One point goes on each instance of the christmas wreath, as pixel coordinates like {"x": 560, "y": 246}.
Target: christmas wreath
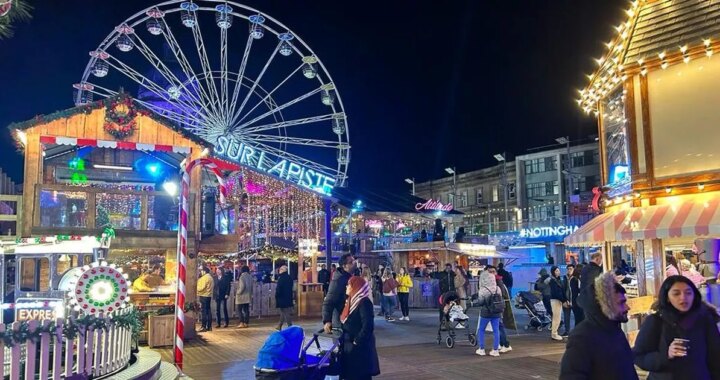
{"x": 120, "y": 117}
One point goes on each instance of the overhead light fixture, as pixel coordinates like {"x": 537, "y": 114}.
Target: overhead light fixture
{"x": 701, "y": 186}
{"x": 171, "y": 188}
{"x": 205, "y": 152}
{"x": 668, "y": 190}
{"x": 499, "y": 157}
{"x": 409, "y": 181}
{"x": 113, "y": 167}
{"x": 450, "y": 170}
{"x": 22, "y": 136}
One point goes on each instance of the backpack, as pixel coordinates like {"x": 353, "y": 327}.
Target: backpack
{"x": 495, "y": 303}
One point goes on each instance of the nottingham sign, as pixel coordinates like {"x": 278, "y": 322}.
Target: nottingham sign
{"x": 547, "y": 232}
{"x": 287, "y": 170}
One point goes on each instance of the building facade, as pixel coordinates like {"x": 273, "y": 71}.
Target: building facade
{"x": 480, "y": 195}
{"x": 555, "y": 186}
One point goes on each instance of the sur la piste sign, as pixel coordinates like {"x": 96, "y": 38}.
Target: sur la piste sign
{"x": 285, "y": 169}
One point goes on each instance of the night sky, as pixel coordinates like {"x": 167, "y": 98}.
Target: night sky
{"x": 425, "y": 84}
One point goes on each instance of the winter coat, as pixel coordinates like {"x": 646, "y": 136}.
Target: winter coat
{"x": 446, "y": 280}
{"x": 460, "y": 282}
{"x": 215, "y": 287}
{"x": 507, "y": 316}
{"x": 597, "y": 348}
{"x": 244, "y": 291}
{"x": 589, "y": 273}
{"x": 359, "y": 356}
{"x": 542, "y": 285}
{"x": 205, "y": 286}
{"x": 389, "y": 286}
{"x": 223, "y": 286}
{"x": 487, "y": 288}
{"x": 284, "y": 291}
{"x": 335, "y": 298}
{"x": 506, "y": 277}
{"x": 557, "y": 290}
{"x": 404, "y": 283}
{"x": 659, "y": 330}
{"x": 323, "y": 276}
{"x": 574, "y": 289}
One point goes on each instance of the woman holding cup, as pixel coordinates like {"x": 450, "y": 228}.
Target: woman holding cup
{"x": 680, "y": 340}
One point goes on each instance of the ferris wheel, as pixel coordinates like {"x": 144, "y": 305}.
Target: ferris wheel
{"x": 223, "y": 70}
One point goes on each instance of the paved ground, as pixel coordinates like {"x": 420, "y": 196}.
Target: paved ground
{"x": 407, "y": 350}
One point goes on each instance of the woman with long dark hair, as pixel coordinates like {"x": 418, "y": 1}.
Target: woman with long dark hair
{"x": 574, "y": 292}
{"x": 558, "y": 299}
{"x": 672, "y": 268}
{"x": 680, "y": 340}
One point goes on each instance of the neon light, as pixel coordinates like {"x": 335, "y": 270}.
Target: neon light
{"x": 257, "y": 159}
{"x": 540, "y": 232}
{"x": 433, "y": 205}
{"x": 375, "y": 224}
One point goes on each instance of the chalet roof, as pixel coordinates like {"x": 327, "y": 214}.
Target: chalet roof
{"x": 88, "y": 108}
{"x": 656, "y": 34}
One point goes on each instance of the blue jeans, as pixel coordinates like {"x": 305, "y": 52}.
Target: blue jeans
{"x": 389, "y": 305}
{"x": 495, "y": 323}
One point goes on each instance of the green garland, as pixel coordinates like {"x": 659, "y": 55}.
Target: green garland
{"x": 72, "y": 328}
{"x": 88, "y": 108}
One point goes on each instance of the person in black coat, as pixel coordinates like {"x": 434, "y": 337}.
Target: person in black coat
{"x": 558, "y": 300}
{"x": 446, "y": 279}
{"x": 507, "y": 278}
{"x": 597, "y": 348}
{"x": 359, "y": 356}
{"x": 284, "y": 297}
{"x": 335, "y": 298}
{"x": 680, "y": 340}
{"x": 589, "y": 273}
{"x": 222, "y": 290}
{"x": 324, "y": 279}
{"x": 574, "y": 291}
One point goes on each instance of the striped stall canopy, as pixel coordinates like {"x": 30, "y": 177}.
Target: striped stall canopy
{"x": 683, "y": 219}
{"x": 113, "y": 144}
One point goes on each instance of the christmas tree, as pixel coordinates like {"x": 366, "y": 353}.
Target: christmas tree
{"x": 102, "y": 219}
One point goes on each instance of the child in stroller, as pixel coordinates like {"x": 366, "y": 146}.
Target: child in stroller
{"x": 452, "y": 317}
{"x": 533, "y": 305}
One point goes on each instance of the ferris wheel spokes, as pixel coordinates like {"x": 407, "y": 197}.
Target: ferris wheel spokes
{"x": 267, "y": 96}
{"x": 239, "y": 80}
{"x": 205, "y": 63}
{"x": 290, "y": 156}
{"x": 281, "y": 107}
{"x": 238, "y": 112}
{"x": 286, "y": 123}
{"x": 298, "y": 141}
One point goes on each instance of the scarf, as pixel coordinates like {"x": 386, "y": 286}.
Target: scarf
{"x": 353, "y": 300}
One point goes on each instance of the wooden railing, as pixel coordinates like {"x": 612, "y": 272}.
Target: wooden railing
{"x": 16, "y": 217}
{"x": 92, "y": 353}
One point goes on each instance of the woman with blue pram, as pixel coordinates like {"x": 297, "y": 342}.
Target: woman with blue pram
{"x": 359, "y": 358}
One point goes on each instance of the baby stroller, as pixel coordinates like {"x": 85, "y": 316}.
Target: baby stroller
{"x": 284, "y": 357}
{"x": 450, "y": 326}
{"x": 536, "y": 310}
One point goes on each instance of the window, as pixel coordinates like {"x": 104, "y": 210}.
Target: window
{"x": 451, "y": 199}
{"x": 495, "y": 193}
{"x": 478, "y": 197}
{"x": 535, "y": 189}
{"x": 555, "y": 187}
{"x": 511, "y": 190}
{"x": 464, "y": 199}
{"x": 540, "y": 165}
{"x": 34, "y": 275}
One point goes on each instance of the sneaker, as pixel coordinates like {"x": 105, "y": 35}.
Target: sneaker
{"x": 565, "y": 334}
{"x": 504, "y": 349}
{"x": 407, "y": 319}
{"x": 480, "y": 351}
{"x": 556, "y": 337}
{"x": 390, "y": 319}
{"x": 494, "y": 353}
{"x": 460, "y": 326}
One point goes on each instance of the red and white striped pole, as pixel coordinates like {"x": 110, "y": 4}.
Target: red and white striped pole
{"x": 182, "y": 249}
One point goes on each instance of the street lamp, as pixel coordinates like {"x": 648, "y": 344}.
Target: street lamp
{"x": 411, "y": 181}
{"x": 454, "y": 174}
{"x": 501, "y": 159}
{"x": 568, "y": 178}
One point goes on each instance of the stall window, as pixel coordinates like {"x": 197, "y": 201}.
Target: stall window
{"x": 615, "y": 136}
{"x": 65, "y": 263}
{"x": 34, "y": 275}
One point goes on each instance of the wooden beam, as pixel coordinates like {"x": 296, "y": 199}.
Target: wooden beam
{"x": 647, "y": 130}
{"x": 631, "y": 129}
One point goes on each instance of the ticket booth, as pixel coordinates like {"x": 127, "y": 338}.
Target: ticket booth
{"x": 310, "y": 293}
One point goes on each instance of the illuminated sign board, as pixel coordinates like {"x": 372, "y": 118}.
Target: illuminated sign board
{"x": 547, "y": 232}
{"x": 433, "y": 205}
{"x": 259, "y": 160}
{"x": 27, "y": 309}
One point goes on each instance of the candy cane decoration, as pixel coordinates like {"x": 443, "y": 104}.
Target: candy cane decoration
{"x": 182, "y": 250}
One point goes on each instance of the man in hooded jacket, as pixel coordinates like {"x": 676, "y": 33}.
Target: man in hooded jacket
{"x": 597, "y": 348}
{"x": 335, "y": 299}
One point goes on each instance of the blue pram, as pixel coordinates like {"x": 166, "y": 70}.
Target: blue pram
{"x": 284, "y": 357}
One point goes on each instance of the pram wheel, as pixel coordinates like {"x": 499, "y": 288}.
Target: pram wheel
{"x": 450, "y": 342}
{"x": 539, "y": 328}
{"x": 472, "y": 339}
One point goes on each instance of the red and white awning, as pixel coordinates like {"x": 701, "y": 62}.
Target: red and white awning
{"x": 126, "y": 145}
{"x": 682, "y": 219}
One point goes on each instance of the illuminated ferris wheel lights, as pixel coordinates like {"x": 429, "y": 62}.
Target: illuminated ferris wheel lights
{"x": 224, "y": 17}
{"x": 285, "y": 49}
{"x": 309, "y": 71}
{"x": 173, "y": 92}
{"x": 338, "y": 124}
{"x": 256, "y": 30}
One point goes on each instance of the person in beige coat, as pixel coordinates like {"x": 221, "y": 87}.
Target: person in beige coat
{"x": 243, "y": 296}
{"x": 460, "y": 281}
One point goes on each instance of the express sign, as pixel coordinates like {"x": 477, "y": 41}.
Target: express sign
{"x": 263, "y": 162}
{"x": 27, "y": 309}
{"x": 547, "y": 232}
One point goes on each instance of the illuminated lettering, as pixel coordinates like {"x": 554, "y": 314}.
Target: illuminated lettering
{"x": 248, "y": 152}
{"x": 221, "y": 146}
{"x": 279, "y": 168}
{"x": 293, "y": 171}
{"x": 540, "y": 232}
{"x": 433, "y": 205}
{"x": 261, "y": 161}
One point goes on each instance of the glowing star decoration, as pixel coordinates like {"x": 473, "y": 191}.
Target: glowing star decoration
{"x": 100, "y": 289}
